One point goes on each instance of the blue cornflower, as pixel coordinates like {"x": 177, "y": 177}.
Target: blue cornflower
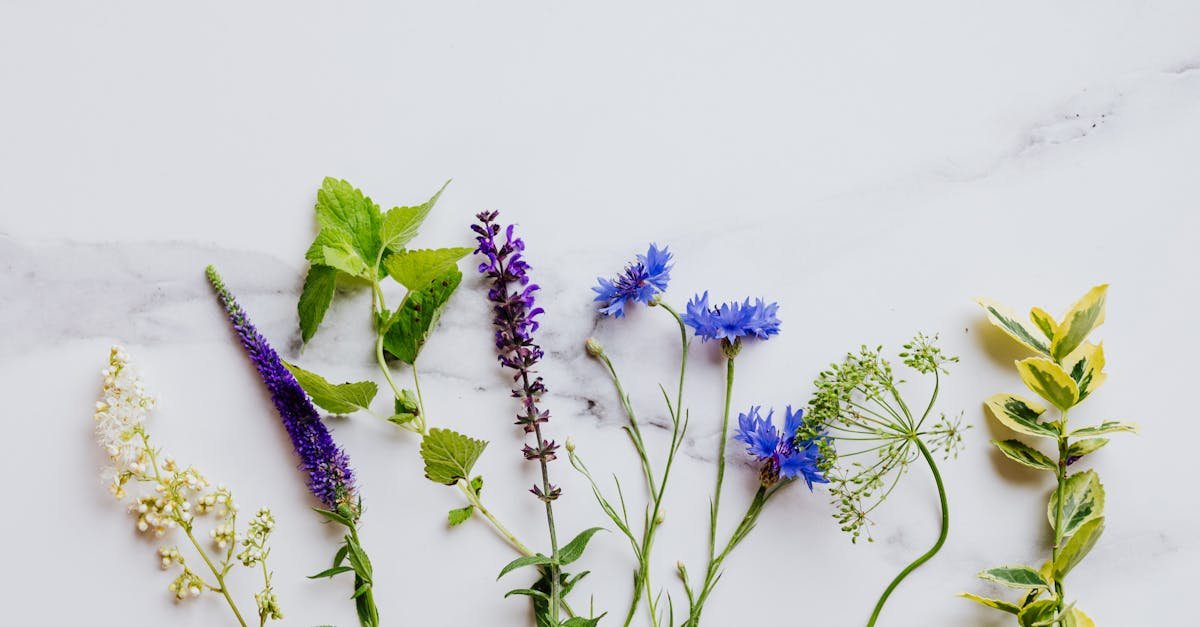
{"x": 782, "y": 455}
{"x": 730, "y": 321}
{"x": 639, "y": 282}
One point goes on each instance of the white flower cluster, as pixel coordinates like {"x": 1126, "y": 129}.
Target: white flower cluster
{"x": 175, "y": 495}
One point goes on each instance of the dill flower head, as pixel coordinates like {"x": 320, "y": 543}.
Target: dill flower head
{"x": 640, "y": 282}
{"x": 783, "y": 454}
{"x": 732, "y": 321}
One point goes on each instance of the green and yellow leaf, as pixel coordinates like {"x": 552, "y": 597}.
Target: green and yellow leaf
{"x": 1079, "y": 448}
{"x": 1044, "y": 321}
{"x": 1078, "y": 546}
{"x": 1024, "y": 454}
{"x": 1081, "y": 619}
{"x": 1007, "y": 321}
{"x": 996, "y": 604}
{"x": 1021, "y": 415}
{"x": 1018, "y": 576}
{"x": 1087, "y": 365}
{"x": 1108, "y": 426}
{"x": 415, "y": 269}
{"x": 1035, "y": 613}
{"x": 1083, "y": 500}
{"x": 1049, "y": 381}
{"x": 400, "y": 224}
{"x": 1085, "y": 315}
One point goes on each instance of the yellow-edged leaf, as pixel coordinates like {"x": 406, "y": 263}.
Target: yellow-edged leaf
{"x": 1007, "y": 321}
{"x": 1044, "y": 321}
{"x": 1087, "y": 365}
{"x": 1083, "y": 500}
{"x": 1081, "y": 619}
{"x": 1003, "y": 606}
{"x": 1108, "y": 426}
{"x": 1021, "y": 415}
{"x": 1049, "y": 381}
{"x": 1078, "y": 546}
{"x": 1024, "y": 454}
{"x": 1086, "y": 314}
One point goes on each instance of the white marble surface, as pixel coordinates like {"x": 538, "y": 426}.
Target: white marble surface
{"x": 872, "y": 166}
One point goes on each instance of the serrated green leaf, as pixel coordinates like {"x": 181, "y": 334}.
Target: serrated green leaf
{"x": 1022, "y": 453}
{"x": 1105, "y": 427}
{"x": 574, "y": 549}
{"x": 1078, "y": 546}
{"x": 1021, "y": 415}
{"x": 460, "y": 515}
{"x": 1017, "y": 576}
{"x": 417, "y": 316}
{"x": 1085, "y": 315}
{"x": 315, "y": 298}
{"x": 1034, "y": 613}
{"x": 328, "y": 238}
{"x": 345, "y": 260}
{"x": 1049, "y": 381}
{"x": 1083, "y": 500}
{"x": 580, "y": 621}
{"x": 400, "y": 224}
{"x": 477, "y": 485}
{"x": 416, "y": 269}
{"x": 1007, "y": 321}
{"x": 523, "y": 561}
{"x": 337, "y": 398}
{"x": 449, "y": 456}
{"x": 1003, "y": 606}
{"x": 1079, "y": 448}
{"x": 342, "y": 207}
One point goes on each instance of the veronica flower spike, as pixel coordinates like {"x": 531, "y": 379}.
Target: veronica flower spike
{"x": 514, "y": 316}
{"x": 730, "y": 324}
{"x": 643, "y": 281}
{"x": 326, "y": 465}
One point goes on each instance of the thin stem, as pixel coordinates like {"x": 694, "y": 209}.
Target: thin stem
{"x": 937, "y": 477}
{"x": 422, "y": 420}
{"x": 712, "y": 573}
{"x": 722, "y": 442}
{"x": 508, "y": 536}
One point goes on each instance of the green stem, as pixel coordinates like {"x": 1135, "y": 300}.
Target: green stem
{"x": 221, "y": 587}
{"x": 937, "y": 477}
{"x": 722, "y": 442}
{"x": 508, "y": 536}
{"x": 1061, "y": 476}
{"x": 713, "y": 572}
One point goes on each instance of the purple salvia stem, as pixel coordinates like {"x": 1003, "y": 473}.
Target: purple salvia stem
{"x": 328, "y": 468}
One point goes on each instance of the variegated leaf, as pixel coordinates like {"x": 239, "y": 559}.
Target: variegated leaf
{"x": 1079, "y": 448}
{"x": 1021, "y": 415}
{"x": 996, "y": 604}
{"x": 1008, "y": 322}
{"x": 1081, "y": 619}
{"x": 1086, "y": 314}
{"x": 1049, "y": 381}
{"x": 1018, "y": 576}
{"x": 1108, "y": 426}
{"x": 1078, "y": 546}
{"x": 1024, "y": 454}
{"x": 1033, "y": 614}
{"x": 1087, "y": 366}
{"x": 1044, "y": 321}
{"x": 1083, "y": 500}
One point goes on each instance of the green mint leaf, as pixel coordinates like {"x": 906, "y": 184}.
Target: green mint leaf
{"x": 315, "y": 299}
{"x": 343, "y": 208}
{"x": 574, "y": 549}
{"x": 477, "y": 485}
{"x": 417, "y": 316}
{"x": 449, "y": 456}
{"x": 460, "y": 515}
{"x": 340, "y": 398}
{"x": 521, "y": 562}
{"x": 400, "y": 224}
{"x": 346, "y": 260}
{"x": 407, "y": 403}
{"x": 416, "y": 269}
{"x": 580, "y": 621}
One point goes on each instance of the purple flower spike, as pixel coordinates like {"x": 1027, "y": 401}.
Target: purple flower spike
{"x": 329, "y": 476}
{"x": 514, "y": 316}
